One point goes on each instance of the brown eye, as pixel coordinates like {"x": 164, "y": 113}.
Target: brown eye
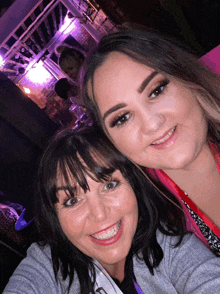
{"x": 111, "y": 185}
{"x": 159, "y": 89}
{"x": 71, "y": 202}
{"x": 120, "y": 120}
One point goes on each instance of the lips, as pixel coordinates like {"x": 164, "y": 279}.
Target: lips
{"x": 108, "y": 233}
{"x": 165, "y": 137}
{"x": 109, "y": 236}
{"x": 167, "y": 140}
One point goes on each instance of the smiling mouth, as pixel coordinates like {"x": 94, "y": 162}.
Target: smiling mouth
{"x": 108, "y": 233}
{"x": 164, "y": 138}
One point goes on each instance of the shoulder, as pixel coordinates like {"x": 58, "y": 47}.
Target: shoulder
{"x": 191, "y": 250}
{"x": 35, "y": 274}
{"x": 189, "y": 268}
{"x": 39, "y": 251}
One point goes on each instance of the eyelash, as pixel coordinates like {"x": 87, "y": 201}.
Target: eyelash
{"x": 159, "y": 89}
{"x": 122, "y": 119}
{"x": 70, "y": 199}
{"x": 77, "y": 200}
{"x": 116, "y": 182}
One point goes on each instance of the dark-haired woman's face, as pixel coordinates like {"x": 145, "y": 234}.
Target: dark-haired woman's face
{"x": 153, "y": 119}
{"x": 101, "y": 222}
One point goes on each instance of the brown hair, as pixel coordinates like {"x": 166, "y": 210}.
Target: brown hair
{"x": 164, "y": 56}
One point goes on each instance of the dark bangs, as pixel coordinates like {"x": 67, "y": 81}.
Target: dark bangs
{"x": 85, "y": 162}
{"x": 76, "y": 156}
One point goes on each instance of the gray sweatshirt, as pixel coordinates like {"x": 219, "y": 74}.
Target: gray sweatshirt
{"x": 191, "y": 268}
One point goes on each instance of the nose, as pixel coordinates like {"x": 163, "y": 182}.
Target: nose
{"x": 98, "y": 210}
{"x": 150, "y": 121}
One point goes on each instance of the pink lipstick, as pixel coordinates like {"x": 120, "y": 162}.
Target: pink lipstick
{"x": 166, "y": 140}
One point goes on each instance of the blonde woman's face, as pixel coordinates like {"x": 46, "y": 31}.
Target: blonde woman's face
{"x": 153, "y": 119}
{"x": 71, "y": 67}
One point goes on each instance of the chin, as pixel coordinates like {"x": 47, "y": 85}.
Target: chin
{"x": 179, "y": 163}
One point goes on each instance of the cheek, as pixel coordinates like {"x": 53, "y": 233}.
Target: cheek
{"x": 193, "y": 111}
{"x": 185, "y": 100}
{"x": 127, "y": 143}
{"x": 128, "y": 203}
{"x": 122, "y": 137}
{"x": 71, "y": 224}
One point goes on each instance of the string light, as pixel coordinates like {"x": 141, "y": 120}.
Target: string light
{"x": 27, "y": 90}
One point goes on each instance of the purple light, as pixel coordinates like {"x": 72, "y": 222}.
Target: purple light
{"x": 68, "y": 26}
{"x": 1, "y": 61}
{"x": 38, "y": 74}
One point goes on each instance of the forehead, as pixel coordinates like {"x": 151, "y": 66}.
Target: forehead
{"x": 119, "y": 63}
{"x": 117, "y": 73}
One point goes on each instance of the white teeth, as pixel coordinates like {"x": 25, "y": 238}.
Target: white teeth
{"x": 108, "y": 234}
{"x": 165, "y": 138}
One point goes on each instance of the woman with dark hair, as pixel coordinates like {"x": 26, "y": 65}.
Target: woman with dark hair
{"x": 161, "y": 108}
{"x": 105, "y": 229}
{"x": 70, "y": 61}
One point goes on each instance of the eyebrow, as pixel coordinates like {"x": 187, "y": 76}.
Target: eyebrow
{"x": 146, "y": 81}
{"x": 112, "y": 109}
{"x": 139, "y": 90}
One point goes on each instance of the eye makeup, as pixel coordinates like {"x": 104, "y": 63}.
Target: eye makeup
{"x": 119, "y": 120}
{"x": 65, "y": 193}
{"x": 111, "y": 185}
{"x": 159, "y": 89}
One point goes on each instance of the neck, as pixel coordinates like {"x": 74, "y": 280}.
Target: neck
{"x": 203, "y": 166}
{"x": 117, "y": 270}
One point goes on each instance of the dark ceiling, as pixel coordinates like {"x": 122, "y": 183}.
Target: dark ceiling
{"x": 36, "y": 35}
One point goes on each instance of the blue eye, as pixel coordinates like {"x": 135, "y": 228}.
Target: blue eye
{"x": 159, "y": 89}
{"x": 111, "y": 185}
{"x": 122, "y": 119}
